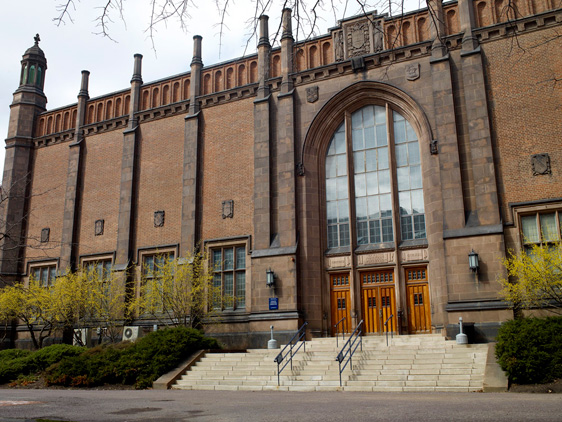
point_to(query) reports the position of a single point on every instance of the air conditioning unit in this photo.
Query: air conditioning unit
(131, 333)
(81, 337)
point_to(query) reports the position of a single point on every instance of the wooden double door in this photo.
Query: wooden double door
(378, 301)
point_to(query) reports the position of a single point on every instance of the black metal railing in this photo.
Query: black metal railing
(343, 323)
(354, 341)
(293, 347)
(386, 328)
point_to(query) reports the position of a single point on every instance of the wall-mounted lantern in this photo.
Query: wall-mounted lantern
(473, 261)
(270, 280)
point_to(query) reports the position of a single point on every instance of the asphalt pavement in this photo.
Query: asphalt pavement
(171, 405)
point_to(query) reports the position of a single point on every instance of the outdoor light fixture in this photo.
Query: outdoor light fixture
(270, 280)
(473, 261)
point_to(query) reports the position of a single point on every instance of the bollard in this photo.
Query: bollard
(461, 338)
(272, 344)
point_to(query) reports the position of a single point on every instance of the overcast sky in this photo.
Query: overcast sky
(74, 46)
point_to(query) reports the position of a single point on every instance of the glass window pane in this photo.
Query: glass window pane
(419, 226)
(341, 185)
(228, 258)
(548, 227)
(399, 132)
(417, 201)
(373, 207)
(359, 162)
(372, 183)
(402, 155)
(229, 285)
(413, 153)
(529, 226)
(356, 120)
(52, 274)
(410, 133)
(368, 116)
(369, 136)
(386, 226)
(361, 208)
(331, 193)
(357, 137)
(360, 186)
(331, 166)
(240, 258)
(385, 205)
(371, 160)
(415, 177)
(380, 114)
(332, 212)
(362, 232)
(240, 289)
(403, 174)
(405, 204)
(407, 229)
(343, 211)
(382, 155)
(384, 181)
(341, 165)
(344, 235)
(339, 139)
(333, 241)
(381, 135)
(375, 231)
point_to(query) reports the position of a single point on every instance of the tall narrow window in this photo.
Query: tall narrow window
(229, 276)
(377, 188)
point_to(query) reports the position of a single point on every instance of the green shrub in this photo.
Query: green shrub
(530, 350)
(24, 362)
(137, 364)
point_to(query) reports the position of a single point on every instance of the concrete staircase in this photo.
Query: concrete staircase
(408, 363)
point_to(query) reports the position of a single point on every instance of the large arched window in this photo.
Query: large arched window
(386, 170)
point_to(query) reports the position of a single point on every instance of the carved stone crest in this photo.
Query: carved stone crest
(45, 234)
(312, 94)
(158, 218)
(228, 209)
(413, 71)
(358, 43)
(98, 227)
(541, 164)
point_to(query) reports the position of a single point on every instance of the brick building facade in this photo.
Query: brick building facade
(361, 167)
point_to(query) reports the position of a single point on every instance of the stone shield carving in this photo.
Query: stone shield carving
(312, 94)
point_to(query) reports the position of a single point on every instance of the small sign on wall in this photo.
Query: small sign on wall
(273, 303)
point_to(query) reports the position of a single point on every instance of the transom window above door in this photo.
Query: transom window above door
(386, 169)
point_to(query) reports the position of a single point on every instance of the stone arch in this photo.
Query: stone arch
(73, 117)
(218, 81)
(186, 83)
(49, 125)
(326, 53)
(422, 30)
(482, 16)
(391, 37)
(230, 78)
(41, 128)
(108, 110)
(207, 84)
(91, 111)
(500, 14)
(253, 71)
(66, 121)
(242, 77)
(276, 66)
(313, 58)
(127, 104)
(99, 112)
(145, 99)
(118, 107)
(176, 92)
(300, 60)
(406, 33)
(58, 123)
(452, 22)
(155, 98)
(352, 98)
(166, 94)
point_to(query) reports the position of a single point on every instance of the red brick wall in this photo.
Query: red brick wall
(526, 113)
(47, 201)
(160, 181)
(100, 195)
(228, 165)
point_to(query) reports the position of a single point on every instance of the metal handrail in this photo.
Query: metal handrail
(344, 320)
(386, 328)
(346, 353)
(293, 349)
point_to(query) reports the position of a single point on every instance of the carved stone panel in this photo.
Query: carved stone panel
(376, 258)
(312, 94)
(158, 218)
(413, 71)
(357, 39)
(415, 255)
(98, 227)
(541, 164)
(45, 234)
(338, 262)
(228, 209)
(339, 54)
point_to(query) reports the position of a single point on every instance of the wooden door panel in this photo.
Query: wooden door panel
(340, 301)
(419, 318)
(378, 300)
(371, 310)
(388, 308)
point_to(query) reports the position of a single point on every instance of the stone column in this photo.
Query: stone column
(437, 28)
(125, 235)
(287, 41)
(73, 183)
(190, 218)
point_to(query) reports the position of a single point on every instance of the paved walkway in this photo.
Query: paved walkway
(174, 406)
